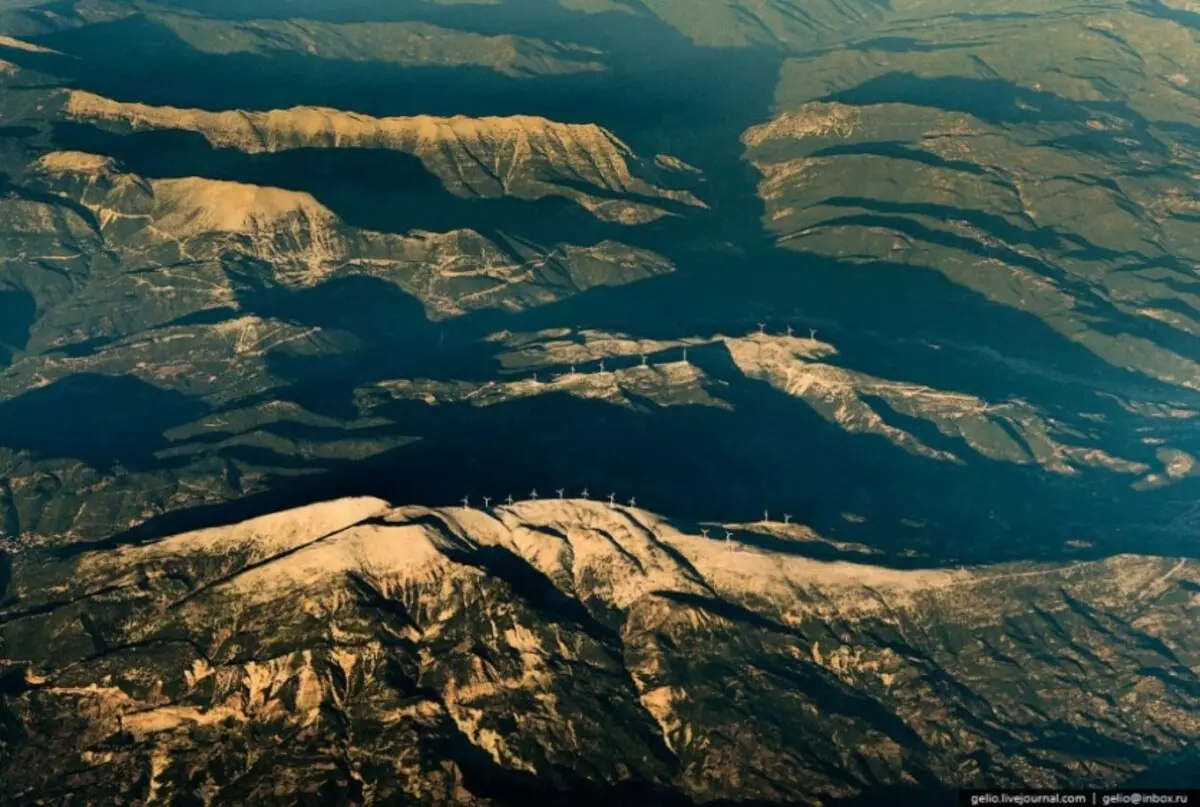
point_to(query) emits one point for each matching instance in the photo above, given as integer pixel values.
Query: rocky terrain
(561, 649)
(520, 156)
(1076, 188)
(890, 308)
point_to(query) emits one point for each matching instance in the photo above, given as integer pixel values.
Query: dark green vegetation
(241, 270)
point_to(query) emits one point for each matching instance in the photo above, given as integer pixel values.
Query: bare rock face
(354, 651)
(201, 287)
(919, 271)
(176, 238)
(197, 220)
(523, 156)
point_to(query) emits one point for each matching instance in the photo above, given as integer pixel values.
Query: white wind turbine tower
(766, 516)
(602, 365)
(812, 333)
(584, 494)
(643, 359)
(728, 541)
(612, 500)
(685, 354)
(466, 501)
(787, 518)
(633, 501)
(487, 500)
(762, 328)
(789, 330)
(533, 493)
(704, 531)
(560, 492)
(508, 499)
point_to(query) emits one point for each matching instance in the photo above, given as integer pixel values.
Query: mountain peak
(465, 612)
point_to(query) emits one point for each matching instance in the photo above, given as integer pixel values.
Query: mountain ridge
(890, 305)
(570, 582)
(537, 149)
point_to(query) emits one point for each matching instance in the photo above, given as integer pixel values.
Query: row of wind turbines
(790, 331)
(533, 495)
(632, 502)
(572, 370)
(612, 502)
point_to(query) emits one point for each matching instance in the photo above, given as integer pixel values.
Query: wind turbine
(762, 328)
(812, 333)
(685, 354)
(466, 501)
(612, 499)
(487, 501)
(602, 365)
(766, 516)
(643, 359)
(560, 492)
(728, 541)
(633, 501)
(533, 493)
(572, 370)
(787, 518)
(789, 330)
(704, 531)
(508, 499)
(584, 494)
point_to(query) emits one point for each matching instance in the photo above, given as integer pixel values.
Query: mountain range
(879, 321)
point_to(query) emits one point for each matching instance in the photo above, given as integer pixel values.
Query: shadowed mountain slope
(897, 301)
